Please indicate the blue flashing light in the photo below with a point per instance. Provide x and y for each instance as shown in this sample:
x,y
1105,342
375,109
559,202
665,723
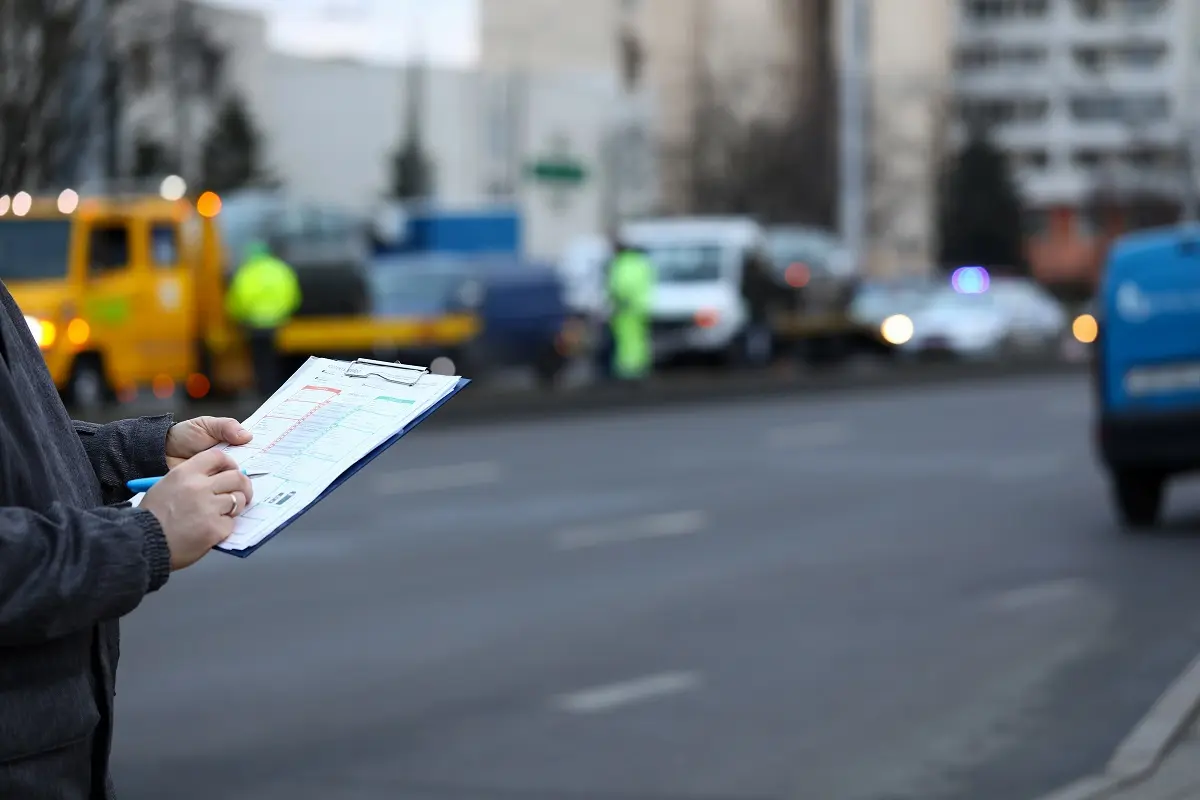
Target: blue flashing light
x,y
970,280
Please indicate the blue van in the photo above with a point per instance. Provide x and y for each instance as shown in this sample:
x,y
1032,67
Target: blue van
x,y
1147,367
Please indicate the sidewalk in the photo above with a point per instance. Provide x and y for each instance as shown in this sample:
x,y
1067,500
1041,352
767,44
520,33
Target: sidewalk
x,y
1177,778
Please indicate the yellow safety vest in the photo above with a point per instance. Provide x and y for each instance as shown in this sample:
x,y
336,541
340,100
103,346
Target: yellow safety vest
x,y
264,294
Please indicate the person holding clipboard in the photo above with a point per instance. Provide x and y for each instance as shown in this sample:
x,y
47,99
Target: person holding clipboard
x,y
75,557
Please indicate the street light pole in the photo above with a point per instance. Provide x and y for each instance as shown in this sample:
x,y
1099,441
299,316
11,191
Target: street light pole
x,y
852,24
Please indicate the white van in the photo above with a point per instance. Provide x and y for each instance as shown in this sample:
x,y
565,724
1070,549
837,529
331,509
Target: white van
x,y
699,307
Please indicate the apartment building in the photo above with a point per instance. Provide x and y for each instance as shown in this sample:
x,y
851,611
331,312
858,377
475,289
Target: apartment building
x,y
1091,98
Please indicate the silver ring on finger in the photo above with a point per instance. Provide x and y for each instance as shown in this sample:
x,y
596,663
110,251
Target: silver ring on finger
x,y
234,509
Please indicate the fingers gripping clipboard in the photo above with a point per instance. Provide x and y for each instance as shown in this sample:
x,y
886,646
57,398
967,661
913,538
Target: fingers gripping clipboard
x,y
328,421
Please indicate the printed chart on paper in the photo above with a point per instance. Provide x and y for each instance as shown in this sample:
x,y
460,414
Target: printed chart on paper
x,y
315,428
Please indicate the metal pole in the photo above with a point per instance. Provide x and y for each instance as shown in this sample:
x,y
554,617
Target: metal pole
x,y
180,54
90,169
852,31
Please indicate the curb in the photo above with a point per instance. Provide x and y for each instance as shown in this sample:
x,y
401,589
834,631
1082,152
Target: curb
x,y
1139,755
481,405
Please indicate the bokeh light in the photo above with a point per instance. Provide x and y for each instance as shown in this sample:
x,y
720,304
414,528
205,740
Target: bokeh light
x,y
896,329
442,366
68,201
78,331
163,387
208,205
173,188
970,280
798,275
22,202
197,385
1085,328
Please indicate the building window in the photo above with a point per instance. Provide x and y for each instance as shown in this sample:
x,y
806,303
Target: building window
x,y
1142,8
1092,9
988,56
1145,56
1000,112
1149,158
1087,159
1129,109
990,10
1090,59
1150,108
1029,160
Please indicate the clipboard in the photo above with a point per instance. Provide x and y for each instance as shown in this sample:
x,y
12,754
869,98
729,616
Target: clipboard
x,y
393,372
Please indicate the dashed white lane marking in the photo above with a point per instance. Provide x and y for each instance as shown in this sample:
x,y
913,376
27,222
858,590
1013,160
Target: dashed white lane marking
x,y
651,526
816,434
432,479
1040,594
638,690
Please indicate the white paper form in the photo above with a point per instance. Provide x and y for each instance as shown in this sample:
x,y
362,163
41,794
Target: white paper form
x,y
317,426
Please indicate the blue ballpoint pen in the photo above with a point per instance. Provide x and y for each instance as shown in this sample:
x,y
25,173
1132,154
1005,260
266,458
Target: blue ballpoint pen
x,y
143,484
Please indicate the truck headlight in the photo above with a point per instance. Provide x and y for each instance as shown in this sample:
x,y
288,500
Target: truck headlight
x,y
44,332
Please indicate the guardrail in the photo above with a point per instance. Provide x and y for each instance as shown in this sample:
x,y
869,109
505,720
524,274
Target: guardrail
x,y
482,403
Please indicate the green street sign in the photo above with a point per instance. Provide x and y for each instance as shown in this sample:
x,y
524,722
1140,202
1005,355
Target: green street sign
x,y
557,171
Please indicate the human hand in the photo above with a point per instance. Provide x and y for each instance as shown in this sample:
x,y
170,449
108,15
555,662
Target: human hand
x,y
196,504
193,436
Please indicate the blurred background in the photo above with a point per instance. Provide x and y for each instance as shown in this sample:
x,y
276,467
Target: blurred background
x,y
903,592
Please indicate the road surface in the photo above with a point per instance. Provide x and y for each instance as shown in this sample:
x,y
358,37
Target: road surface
x,y
917,594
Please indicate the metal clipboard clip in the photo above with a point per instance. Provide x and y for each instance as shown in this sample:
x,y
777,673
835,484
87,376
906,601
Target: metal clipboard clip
x,y
390,371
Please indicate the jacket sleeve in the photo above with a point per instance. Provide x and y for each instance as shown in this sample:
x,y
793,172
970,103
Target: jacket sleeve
x,y
67,569
125,450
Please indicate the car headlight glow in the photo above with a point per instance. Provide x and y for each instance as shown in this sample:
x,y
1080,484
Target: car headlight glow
x,y
896,329
43,331
1085,328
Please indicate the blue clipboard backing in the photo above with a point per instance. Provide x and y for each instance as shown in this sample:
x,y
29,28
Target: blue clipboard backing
x,y
345,476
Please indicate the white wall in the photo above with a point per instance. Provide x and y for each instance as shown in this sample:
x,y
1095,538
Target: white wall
x,y
330,128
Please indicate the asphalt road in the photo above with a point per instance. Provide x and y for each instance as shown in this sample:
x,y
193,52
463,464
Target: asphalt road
x,y
917,595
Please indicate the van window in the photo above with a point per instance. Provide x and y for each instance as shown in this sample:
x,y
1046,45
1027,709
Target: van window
x,y
682,263
34,249
108,248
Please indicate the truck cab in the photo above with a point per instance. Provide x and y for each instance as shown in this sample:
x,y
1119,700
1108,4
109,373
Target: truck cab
x,y
1147,368
712,291
94,281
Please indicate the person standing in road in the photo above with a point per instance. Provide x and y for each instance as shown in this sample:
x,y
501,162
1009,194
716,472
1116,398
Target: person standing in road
x,y
75,557
630,290
263,296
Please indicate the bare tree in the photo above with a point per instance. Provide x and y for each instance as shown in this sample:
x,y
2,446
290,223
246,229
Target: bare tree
x,y
64,71
36,52
780,168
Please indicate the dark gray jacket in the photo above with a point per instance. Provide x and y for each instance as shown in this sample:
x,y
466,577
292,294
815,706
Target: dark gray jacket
x,y
69,567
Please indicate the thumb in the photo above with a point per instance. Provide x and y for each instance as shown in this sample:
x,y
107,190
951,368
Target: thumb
x,y
226,429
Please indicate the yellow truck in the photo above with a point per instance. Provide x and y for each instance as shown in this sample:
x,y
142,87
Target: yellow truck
x,y
126,294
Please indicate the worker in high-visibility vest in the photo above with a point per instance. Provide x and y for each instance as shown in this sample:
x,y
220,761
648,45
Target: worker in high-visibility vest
x,y
630,290
262,298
